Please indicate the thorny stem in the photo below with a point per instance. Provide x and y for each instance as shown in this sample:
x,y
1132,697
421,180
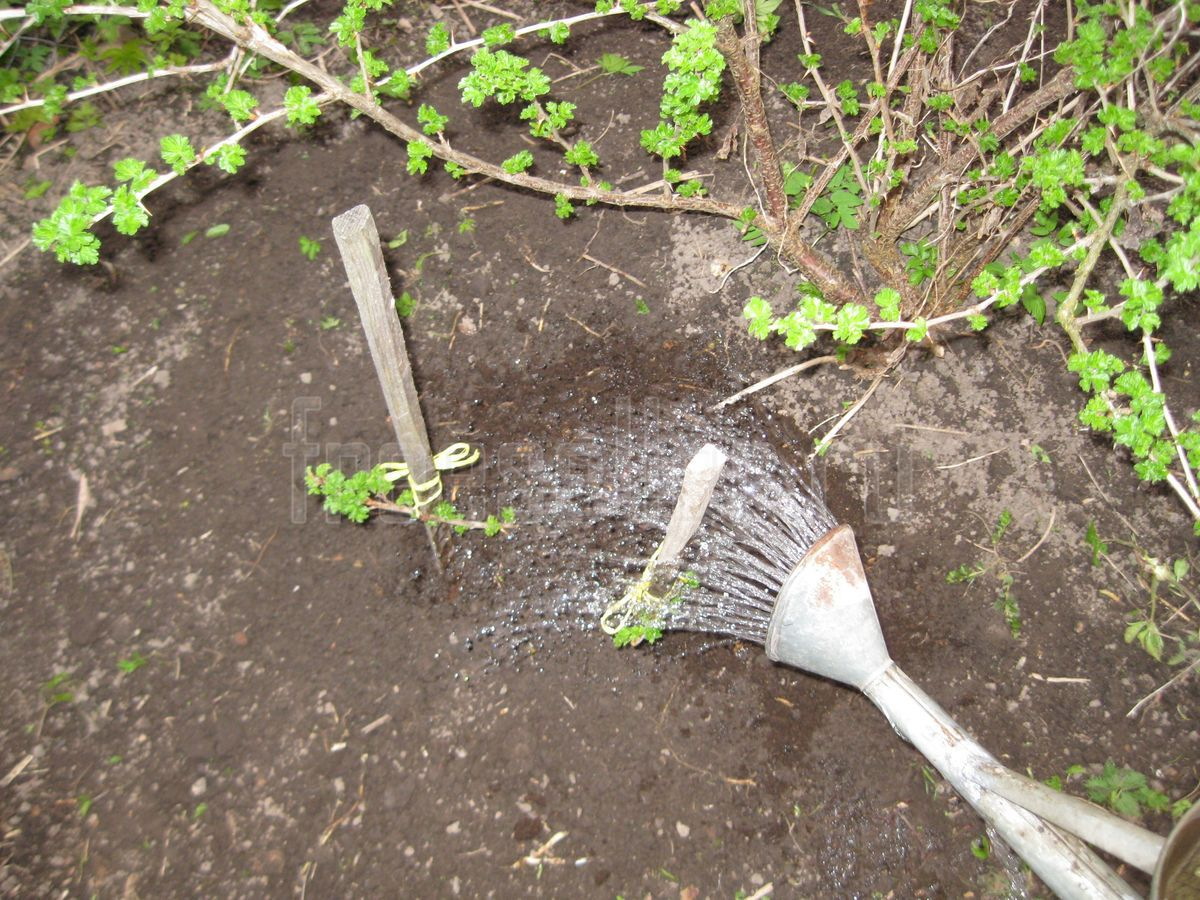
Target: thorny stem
x,y
901,217
1065,315
1148,348
94,89
746,81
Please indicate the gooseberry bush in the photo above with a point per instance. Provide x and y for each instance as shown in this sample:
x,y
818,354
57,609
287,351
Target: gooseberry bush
x,y
1062,182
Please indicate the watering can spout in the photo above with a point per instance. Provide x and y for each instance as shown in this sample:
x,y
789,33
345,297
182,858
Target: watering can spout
x,y
824,619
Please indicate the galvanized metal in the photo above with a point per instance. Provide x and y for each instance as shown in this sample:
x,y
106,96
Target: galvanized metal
x,y
825,622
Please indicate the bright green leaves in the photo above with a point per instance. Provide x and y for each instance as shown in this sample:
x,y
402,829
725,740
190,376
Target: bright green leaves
x,y
562,206
501,75
1052,172
694,78
918,332
419,154
301,108
432,122
177,152
616,64
135,172
839,202
888,301
498,35
1095,369
129,216
852,320
760,315
582,155
632,635
922,260
228,158
517,163
239,103
847,94
438,39
1142,299
347,496
66,230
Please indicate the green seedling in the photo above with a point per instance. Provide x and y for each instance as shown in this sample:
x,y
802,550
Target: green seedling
x,y
132,663
360,494
1036,451
56,691
999,566
406,305
1125,791
310,248
329,323
216,231
616,64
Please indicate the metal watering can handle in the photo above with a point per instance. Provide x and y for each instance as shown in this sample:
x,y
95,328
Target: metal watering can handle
x,y
1102,829
1062,861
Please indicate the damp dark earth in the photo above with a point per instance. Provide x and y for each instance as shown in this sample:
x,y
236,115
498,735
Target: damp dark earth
x,y
213,688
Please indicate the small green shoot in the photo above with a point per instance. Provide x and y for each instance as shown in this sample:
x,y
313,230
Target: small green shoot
x,y
216,231
1039,454
200,809
1092,539
84,805
981,848
329,323
309,247
642,308
1125,791
131,664
616,64
406,305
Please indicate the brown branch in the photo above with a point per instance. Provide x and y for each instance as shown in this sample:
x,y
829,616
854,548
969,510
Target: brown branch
x,y
255,39
746,81
1060,86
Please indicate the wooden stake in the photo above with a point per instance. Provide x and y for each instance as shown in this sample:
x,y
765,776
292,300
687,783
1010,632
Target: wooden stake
x,y
358,242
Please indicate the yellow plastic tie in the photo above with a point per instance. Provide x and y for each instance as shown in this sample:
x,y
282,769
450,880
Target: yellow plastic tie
x,y
456,456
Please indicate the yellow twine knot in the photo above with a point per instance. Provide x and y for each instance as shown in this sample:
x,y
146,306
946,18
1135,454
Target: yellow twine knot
x,y
456,456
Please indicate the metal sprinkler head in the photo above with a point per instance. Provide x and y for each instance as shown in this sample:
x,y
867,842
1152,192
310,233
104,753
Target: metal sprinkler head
x,y
824,622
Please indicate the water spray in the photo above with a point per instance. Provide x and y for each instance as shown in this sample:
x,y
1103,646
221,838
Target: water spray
x,y
783,573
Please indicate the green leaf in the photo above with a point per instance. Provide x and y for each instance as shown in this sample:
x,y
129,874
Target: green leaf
x,y
432,122
301,108
518,162
1034,303
406,305
229,158
562,206
852,320
309,247
438,40
616,64
216,231
177,152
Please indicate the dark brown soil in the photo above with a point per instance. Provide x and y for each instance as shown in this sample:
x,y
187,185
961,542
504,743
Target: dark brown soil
x,y
321,714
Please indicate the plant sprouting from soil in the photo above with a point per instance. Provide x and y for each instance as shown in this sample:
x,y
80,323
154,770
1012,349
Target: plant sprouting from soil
x,y
954,193
998,566
358,495
1162,601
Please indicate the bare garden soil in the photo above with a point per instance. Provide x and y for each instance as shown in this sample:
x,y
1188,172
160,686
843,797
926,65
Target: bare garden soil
x,y
313,710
